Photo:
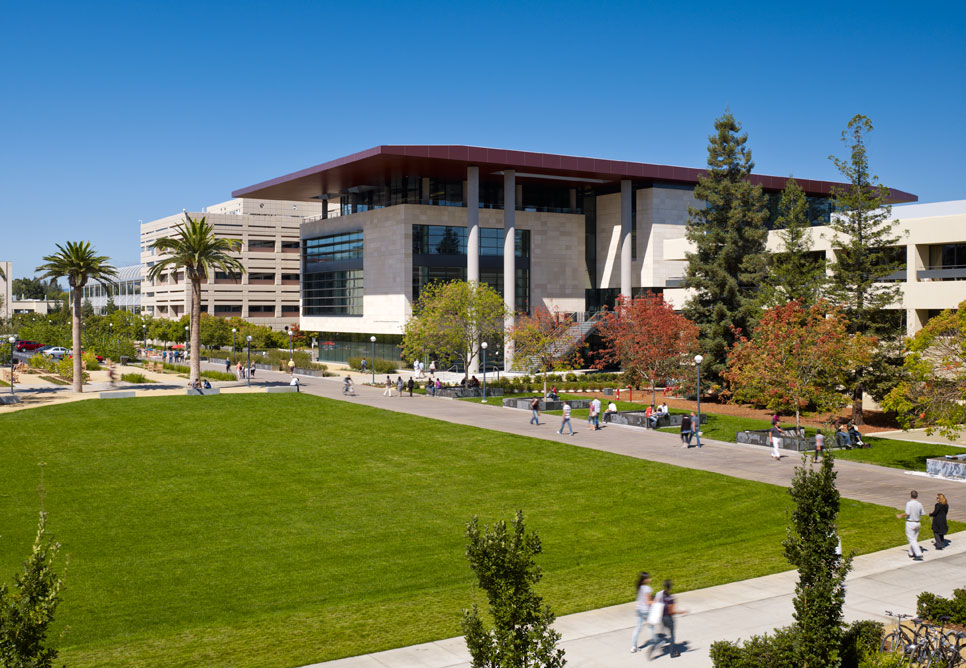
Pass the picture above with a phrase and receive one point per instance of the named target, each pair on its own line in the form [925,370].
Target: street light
[249,374]
[233,330]
[291,345]
[12,340]
[373,340]
[186,343]
[483,345]
[697,430]
[111,339]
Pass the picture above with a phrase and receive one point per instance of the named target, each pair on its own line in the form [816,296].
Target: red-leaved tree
[797,357]
[543,342]
[647,339]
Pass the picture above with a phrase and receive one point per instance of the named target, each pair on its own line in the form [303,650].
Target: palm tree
[76,260]
[197,250]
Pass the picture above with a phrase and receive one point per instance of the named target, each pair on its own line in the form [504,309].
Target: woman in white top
[645,596]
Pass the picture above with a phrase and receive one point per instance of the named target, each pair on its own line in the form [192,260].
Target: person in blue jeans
[566,420]
[535,407]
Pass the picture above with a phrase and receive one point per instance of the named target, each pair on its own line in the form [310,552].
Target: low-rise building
[125,291]
[267,293]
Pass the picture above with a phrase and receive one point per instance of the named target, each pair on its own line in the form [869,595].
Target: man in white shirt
[914,511]
[566,420]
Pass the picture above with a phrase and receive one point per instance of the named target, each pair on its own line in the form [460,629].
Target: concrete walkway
[881,581]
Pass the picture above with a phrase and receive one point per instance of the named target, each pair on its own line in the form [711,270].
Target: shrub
[859,640]
[932,607]
[176,368]
[135,378]
[218,375]
[380,365]
[90,361]
[65,369]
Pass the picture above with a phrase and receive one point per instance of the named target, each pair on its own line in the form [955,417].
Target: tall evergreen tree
[794,272]
[866,249]
[729,235]
[811,546]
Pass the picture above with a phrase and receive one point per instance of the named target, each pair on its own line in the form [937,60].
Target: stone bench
[546,404]
[462,393]
[282,388]
[122,394]
[202,391]
[639,419]
[7,399]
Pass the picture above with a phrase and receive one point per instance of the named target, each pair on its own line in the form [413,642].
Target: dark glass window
[223,309]
[261,276]
[261,246]
[290,277]
[291,244]
[333,248]
[423,276]
[953,256]
[268,309]
[449,240]
[289,309]
[332,293]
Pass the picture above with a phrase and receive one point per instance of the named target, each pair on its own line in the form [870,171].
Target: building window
[291,246]
[290,279]
[261,246]
[450,240]
[228,309]
[290,309]
[332,293]
[423,276]
[263,310]
[334,248]
[261,278]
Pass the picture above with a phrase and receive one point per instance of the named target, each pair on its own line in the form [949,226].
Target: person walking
[819,445]
[388,391]
[686,431]
[239,371]
[410,385]
[251,371]
[914,511]
[939,526]
[535,408]
[227,365]
[776,435]
[363,364]
[432,368]
[645,596]
[595,414]
[400,385]
[565,422]
[668,609]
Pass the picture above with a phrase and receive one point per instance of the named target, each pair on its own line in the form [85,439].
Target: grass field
[282,530]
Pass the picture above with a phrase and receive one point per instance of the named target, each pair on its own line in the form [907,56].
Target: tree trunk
[857,415]
[654,392]
[798,422]
[195,361]
[76,339]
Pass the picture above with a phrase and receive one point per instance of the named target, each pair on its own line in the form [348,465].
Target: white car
[57,352]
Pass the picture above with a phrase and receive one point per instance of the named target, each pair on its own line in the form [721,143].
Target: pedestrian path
[886,580]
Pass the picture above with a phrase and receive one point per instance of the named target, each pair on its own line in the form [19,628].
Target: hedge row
[382,366]
[932,607]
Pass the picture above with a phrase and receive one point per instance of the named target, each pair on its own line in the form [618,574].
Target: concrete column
[573,200]
[325,206]
[473,224]
[509,257]
[626,193]
[424,190]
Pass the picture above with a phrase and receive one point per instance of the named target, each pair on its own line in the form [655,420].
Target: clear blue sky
[115,112]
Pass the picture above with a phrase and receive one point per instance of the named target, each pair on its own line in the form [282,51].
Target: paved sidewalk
[881,581]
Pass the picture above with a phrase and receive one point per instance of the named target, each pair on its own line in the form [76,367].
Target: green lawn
[282,530]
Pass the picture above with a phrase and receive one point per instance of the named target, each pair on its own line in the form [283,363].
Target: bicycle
[903,639]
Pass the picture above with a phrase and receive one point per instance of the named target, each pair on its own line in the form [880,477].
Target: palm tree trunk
[76,340]
[195,373]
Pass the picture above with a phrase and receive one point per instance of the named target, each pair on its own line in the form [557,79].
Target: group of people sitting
[654,415]
[848,437]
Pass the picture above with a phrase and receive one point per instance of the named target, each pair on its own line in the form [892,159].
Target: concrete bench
[282,388]
[201,391]
[7,399]
[122,394]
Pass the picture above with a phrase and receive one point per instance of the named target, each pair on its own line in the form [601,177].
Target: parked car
[70,356]
[57,352]
[22,346]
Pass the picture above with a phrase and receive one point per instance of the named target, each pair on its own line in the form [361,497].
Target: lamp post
[111,339]
[291,345]
[697,430]
[372,339]
[233,330]
[249,374]
[12,340]
[144,336]
[186,343]
[483,345]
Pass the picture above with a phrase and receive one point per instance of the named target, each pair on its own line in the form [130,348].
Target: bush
[90,361]
[65,369]
[932,607]
[176,368]
[135,378]
[381,365]
[859,640]
[218,375]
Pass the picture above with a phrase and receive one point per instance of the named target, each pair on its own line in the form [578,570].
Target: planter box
[123,394]
[639,419]
[762,437]
[202,392]
[282,388]
[318,373]
[546,405]
[951,466]
[461,393]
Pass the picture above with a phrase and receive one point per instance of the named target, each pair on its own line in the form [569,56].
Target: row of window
[449,240]
[332,293]
[333,248]
[122,289]
[423,276]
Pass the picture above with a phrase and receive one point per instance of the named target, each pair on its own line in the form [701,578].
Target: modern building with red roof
[568,232]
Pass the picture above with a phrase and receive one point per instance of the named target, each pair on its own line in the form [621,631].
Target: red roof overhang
[379,165]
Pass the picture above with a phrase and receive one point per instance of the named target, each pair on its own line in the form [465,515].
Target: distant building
[41,306]
[126,291]
[267,293]
[5,293]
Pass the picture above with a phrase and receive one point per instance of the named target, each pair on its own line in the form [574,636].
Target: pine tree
[794,273]
[811,545]
[866,249]
[729,235]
